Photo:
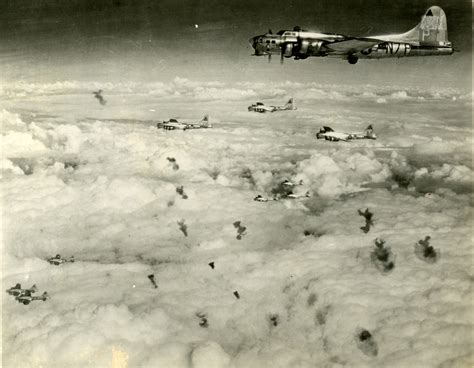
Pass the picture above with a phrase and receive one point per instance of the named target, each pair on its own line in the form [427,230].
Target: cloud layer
[106,187]
[213,90]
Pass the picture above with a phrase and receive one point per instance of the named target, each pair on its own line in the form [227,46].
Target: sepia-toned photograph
[236,184]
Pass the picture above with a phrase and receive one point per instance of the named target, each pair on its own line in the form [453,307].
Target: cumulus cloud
[346,175]
[400,95]
[105,190]
[215,90]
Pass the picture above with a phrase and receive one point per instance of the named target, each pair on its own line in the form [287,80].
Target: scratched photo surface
[172,196]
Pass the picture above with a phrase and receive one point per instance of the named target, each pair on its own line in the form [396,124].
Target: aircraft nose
[257,46]
[253,42]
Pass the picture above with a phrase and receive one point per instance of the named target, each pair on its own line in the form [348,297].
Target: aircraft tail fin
[433,28]
[205,122]
[33,288]
[369,132]
[290,104]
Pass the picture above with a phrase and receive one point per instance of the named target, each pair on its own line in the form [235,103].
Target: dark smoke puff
[152,279]
[183,227]
[274,320]
[247,174]
[240,230]
[426,252]
[203,322]
[367,215]
[366,228]
[180,191]
[382,257]
[366,343]
[172,160]
[100,98]
[402,172]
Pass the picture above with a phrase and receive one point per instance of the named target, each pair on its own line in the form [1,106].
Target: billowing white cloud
[109,190]
[215,90]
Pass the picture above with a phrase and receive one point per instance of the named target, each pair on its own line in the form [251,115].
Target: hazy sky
[121,40]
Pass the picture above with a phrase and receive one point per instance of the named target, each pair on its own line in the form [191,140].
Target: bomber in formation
[25,296]
[260,107]
[58,260]
[174,124]
[429,37]
[330,135]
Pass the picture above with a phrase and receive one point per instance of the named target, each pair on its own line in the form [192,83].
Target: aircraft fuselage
[301,45]
[429,37]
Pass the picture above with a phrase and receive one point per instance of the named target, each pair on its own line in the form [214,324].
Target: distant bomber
[18,291]
[28,298]
[330,135]
[173,124]
[24,295]
[260,107]
[429,37]
[57,260]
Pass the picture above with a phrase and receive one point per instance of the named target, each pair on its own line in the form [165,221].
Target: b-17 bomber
[18,291]
[290,195]
[330,135]
[28,298]
[25,296]
[284,191]
[429,37]
[174,124]
[261,108]
[57,260]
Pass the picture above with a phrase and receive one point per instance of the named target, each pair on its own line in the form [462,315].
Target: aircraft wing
[351,45]
[337,135]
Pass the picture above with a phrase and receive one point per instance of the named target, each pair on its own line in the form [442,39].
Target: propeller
[284,47]
[269,53]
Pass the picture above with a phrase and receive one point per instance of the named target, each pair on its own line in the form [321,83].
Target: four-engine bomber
[429,37]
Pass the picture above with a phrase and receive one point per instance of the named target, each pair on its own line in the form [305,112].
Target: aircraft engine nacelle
[307,48]
[288,50]
[314,48]
[304,46]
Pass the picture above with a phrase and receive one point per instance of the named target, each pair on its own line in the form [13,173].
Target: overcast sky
[121,40]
